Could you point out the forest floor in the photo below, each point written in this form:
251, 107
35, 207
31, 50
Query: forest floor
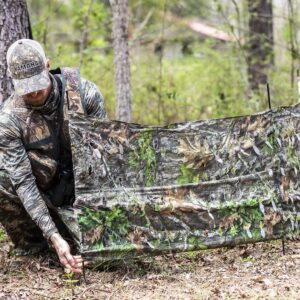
259, 271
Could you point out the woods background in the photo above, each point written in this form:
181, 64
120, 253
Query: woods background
165, 61
191, 59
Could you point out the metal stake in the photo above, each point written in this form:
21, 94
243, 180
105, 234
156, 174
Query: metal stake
269, 98
298, 79
83, 267
283, 245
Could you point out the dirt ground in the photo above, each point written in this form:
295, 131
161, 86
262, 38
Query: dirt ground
259, 271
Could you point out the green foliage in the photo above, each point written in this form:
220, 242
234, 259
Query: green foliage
251, 216
143, 157
187, 175
233, 230
271, 145
70, 279
248, 218
292, 157
114, 225
2, 235
198, 242
252, 202
207, 81
220, 231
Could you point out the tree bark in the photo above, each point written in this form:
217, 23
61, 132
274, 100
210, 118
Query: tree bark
261, 41
14, 25
121, 59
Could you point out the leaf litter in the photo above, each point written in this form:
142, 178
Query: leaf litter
258, 271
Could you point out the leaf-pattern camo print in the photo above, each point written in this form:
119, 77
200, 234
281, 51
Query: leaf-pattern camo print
185, 186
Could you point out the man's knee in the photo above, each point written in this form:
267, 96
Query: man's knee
7, 191
10, 204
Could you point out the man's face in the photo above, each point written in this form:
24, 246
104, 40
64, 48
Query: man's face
37, 98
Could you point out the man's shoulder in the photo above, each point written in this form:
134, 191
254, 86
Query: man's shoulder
7, 122
13, 104
12, 109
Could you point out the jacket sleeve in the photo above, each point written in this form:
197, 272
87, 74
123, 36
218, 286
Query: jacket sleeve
93, 101
14, 160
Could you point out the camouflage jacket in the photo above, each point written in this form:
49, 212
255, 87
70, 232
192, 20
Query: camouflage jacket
34, 141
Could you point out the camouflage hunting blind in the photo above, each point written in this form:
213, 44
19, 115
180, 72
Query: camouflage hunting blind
188, 186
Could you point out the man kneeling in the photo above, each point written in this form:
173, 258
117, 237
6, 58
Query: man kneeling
35, 154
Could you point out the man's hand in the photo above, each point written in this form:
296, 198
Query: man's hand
73, 262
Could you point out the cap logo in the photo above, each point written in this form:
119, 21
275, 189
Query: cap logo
27, 66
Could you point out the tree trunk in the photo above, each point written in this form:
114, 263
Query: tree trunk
121, 59
261, 41
14, 25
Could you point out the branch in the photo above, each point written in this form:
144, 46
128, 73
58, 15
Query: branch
85, 32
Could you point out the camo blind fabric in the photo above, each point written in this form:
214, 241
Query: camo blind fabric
188, 186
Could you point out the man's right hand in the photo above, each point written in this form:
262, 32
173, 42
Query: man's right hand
73, 262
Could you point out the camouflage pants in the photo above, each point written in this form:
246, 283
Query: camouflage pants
23, 232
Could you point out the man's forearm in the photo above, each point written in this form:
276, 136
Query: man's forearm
36, 207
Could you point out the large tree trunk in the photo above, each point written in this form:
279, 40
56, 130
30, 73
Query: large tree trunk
261, 41
14, 25
121, 60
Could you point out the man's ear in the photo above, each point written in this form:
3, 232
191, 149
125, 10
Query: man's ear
48, 64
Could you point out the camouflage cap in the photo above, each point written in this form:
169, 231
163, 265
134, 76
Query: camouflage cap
27, 63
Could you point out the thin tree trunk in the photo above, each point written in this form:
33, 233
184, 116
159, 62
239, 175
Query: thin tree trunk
121, 59
261, 41
161, 56
294, 49
84, 39
14, 25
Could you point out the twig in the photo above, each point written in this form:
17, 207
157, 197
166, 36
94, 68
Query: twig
47, 296
85, 32
289, 257
143, 24
90, 287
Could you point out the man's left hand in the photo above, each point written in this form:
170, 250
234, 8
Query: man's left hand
72, 262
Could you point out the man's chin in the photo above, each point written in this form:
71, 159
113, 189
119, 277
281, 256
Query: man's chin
35, 102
